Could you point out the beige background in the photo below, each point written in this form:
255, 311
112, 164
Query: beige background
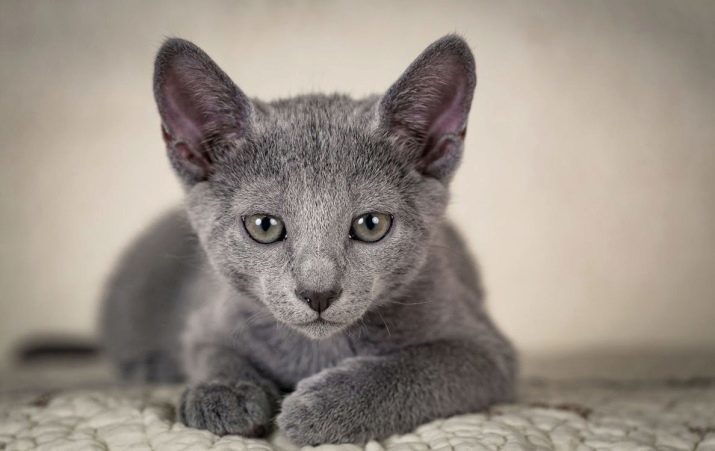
587, 189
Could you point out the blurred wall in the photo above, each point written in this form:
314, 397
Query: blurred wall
587, 190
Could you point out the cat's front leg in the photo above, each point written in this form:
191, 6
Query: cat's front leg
366, 398
227, 395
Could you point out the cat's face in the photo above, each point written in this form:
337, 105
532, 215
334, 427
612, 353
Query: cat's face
319, 207
309, 178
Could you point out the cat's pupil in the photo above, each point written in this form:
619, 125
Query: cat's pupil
266, 223
371, 222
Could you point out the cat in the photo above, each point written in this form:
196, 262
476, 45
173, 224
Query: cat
311, 278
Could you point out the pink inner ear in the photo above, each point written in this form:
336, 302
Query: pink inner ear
452, 116
182, 128
181, 114
447, 127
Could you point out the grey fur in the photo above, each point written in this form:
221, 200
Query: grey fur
407, 341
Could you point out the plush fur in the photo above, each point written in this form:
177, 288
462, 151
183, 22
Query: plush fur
195, 298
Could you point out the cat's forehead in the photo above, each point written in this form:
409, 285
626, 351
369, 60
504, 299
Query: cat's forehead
318, 125
335, 108
317, 150
323, 137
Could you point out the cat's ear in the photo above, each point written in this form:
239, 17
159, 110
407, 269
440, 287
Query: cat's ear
427, 108
199, 106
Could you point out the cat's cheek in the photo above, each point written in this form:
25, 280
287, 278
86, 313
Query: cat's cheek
377, 269
200, 203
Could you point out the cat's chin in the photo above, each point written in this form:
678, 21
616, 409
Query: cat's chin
319, 329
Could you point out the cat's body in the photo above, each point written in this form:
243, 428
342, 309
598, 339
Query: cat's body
402, 337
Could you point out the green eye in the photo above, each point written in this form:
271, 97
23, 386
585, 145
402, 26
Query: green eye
265, 229
370, 227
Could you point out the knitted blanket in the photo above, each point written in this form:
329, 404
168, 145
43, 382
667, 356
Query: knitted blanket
574, 414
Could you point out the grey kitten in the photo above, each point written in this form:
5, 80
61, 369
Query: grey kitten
311, 274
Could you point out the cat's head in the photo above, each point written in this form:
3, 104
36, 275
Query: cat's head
319, 207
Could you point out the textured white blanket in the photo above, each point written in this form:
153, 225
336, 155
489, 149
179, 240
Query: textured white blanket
580, 414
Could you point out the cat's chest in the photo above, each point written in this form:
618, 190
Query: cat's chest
289, 357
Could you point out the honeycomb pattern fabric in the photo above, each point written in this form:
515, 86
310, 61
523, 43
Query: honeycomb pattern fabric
550, 415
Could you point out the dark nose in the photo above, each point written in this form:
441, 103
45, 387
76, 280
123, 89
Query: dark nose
318, 300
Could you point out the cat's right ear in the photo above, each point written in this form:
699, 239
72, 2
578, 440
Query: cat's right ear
199, 106
427, 108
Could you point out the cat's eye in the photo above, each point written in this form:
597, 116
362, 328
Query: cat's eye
370, 227
265, 229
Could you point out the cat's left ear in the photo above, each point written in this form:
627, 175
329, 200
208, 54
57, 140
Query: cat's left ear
199, 107
427, 108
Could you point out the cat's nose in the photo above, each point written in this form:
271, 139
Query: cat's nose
318, 300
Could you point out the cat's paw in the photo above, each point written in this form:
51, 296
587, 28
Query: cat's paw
324, 408
241, 408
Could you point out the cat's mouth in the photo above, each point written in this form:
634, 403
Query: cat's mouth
319, 320
319, 327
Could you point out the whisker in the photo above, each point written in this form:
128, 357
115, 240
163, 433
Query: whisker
409, 303
363, 327
254, 317
384, 322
